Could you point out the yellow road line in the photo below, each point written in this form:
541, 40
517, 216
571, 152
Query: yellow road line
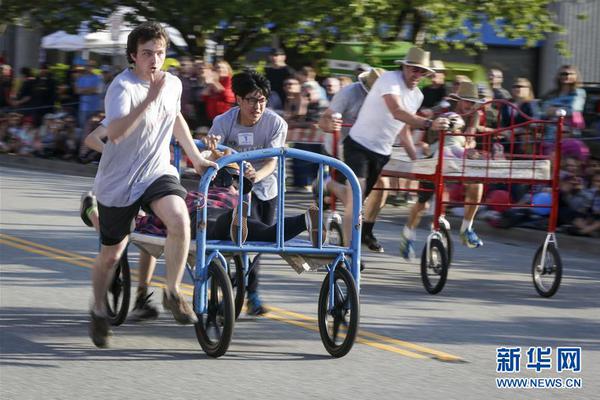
381, 342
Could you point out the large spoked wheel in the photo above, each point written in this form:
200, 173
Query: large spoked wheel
434, 272
338, 325
547, 276
119, 292
335, 235
215, 327
447, 242
236, 277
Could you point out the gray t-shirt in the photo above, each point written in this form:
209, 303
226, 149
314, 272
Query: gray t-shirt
270, 131
128, 168
348, 102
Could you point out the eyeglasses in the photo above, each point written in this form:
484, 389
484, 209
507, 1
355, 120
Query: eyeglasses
255, 100
566, 73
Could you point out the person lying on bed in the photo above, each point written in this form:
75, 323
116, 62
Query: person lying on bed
222, 201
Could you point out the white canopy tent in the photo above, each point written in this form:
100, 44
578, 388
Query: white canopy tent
101, 41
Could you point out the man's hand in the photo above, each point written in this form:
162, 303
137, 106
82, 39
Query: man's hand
157, 81
249, 171
202, 163
331, 122
211, 142
440, 124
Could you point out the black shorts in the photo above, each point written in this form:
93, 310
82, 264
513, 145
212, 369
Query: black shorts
115, 222
364, 163
424, 196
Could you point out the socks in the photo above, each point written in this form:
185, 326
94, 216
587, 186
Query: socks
466, 225
368, 228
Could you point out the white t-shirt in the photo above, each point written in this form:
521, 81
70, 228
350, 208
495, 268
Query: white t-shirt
376, 128
128, 168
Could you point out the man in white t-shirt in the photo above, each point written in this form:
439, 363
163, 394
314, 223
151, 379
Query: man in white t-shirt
390, 108
142, 113
348, 102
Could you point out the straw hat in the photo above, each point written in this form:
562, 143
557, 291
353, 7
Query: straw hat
367, 78
416, 57
438, 66
467, 91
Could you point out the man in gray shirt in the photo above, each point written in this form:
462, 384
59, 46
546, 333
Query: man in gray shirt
142, 113
251, 126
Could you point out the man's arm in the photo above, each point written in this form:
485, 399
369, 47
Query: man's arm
394, 105
94, 139
118, 129
181, 131
407, 142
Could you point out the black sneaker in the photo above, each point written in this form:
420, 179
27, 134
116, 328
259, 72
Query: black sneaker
143, 310
88, 201
254, 305
99, 330
372, 244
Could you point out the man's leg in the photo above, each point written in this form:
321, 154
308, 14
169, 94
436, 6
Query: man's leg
264, 211
473, 194
173, 211
348, 208
373, 205
102, 275
408, 234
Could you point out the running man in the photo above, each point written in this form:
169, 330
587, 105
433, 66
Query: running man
143, 111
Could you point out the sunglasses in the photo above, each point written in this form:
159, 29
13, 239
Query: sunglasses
566, 73
519, 86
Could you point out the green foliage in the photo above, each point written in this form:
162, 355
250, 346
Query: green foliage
309, 27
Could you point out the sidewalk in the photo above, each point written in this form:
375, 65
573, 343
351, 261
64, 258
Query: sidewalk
590, 246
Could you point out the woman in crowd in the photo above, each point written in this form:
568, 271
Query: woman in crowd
569, 96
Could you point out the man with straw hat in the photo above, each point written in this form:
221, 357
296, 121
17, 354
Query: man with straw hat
467, 101
347, 104
390, 108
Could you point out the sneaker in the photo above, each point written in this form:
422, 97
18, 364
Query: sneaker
99, 330
179, 307
235, 224
143, 310
88, 203
312, 223
470, 239
407, 247
254, 305
372, 244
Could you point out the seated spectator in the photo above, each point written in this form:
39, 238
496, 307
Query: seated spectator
14, 133
26, 136
569, 96
49, 132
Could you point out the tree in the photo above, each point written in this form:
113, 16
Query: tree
312, 27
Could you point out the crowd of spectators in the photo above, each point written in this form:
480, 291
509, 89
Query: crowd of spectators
43, 116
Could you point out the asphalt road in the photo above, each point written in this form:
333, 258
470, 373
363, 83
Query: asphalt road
412, 345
